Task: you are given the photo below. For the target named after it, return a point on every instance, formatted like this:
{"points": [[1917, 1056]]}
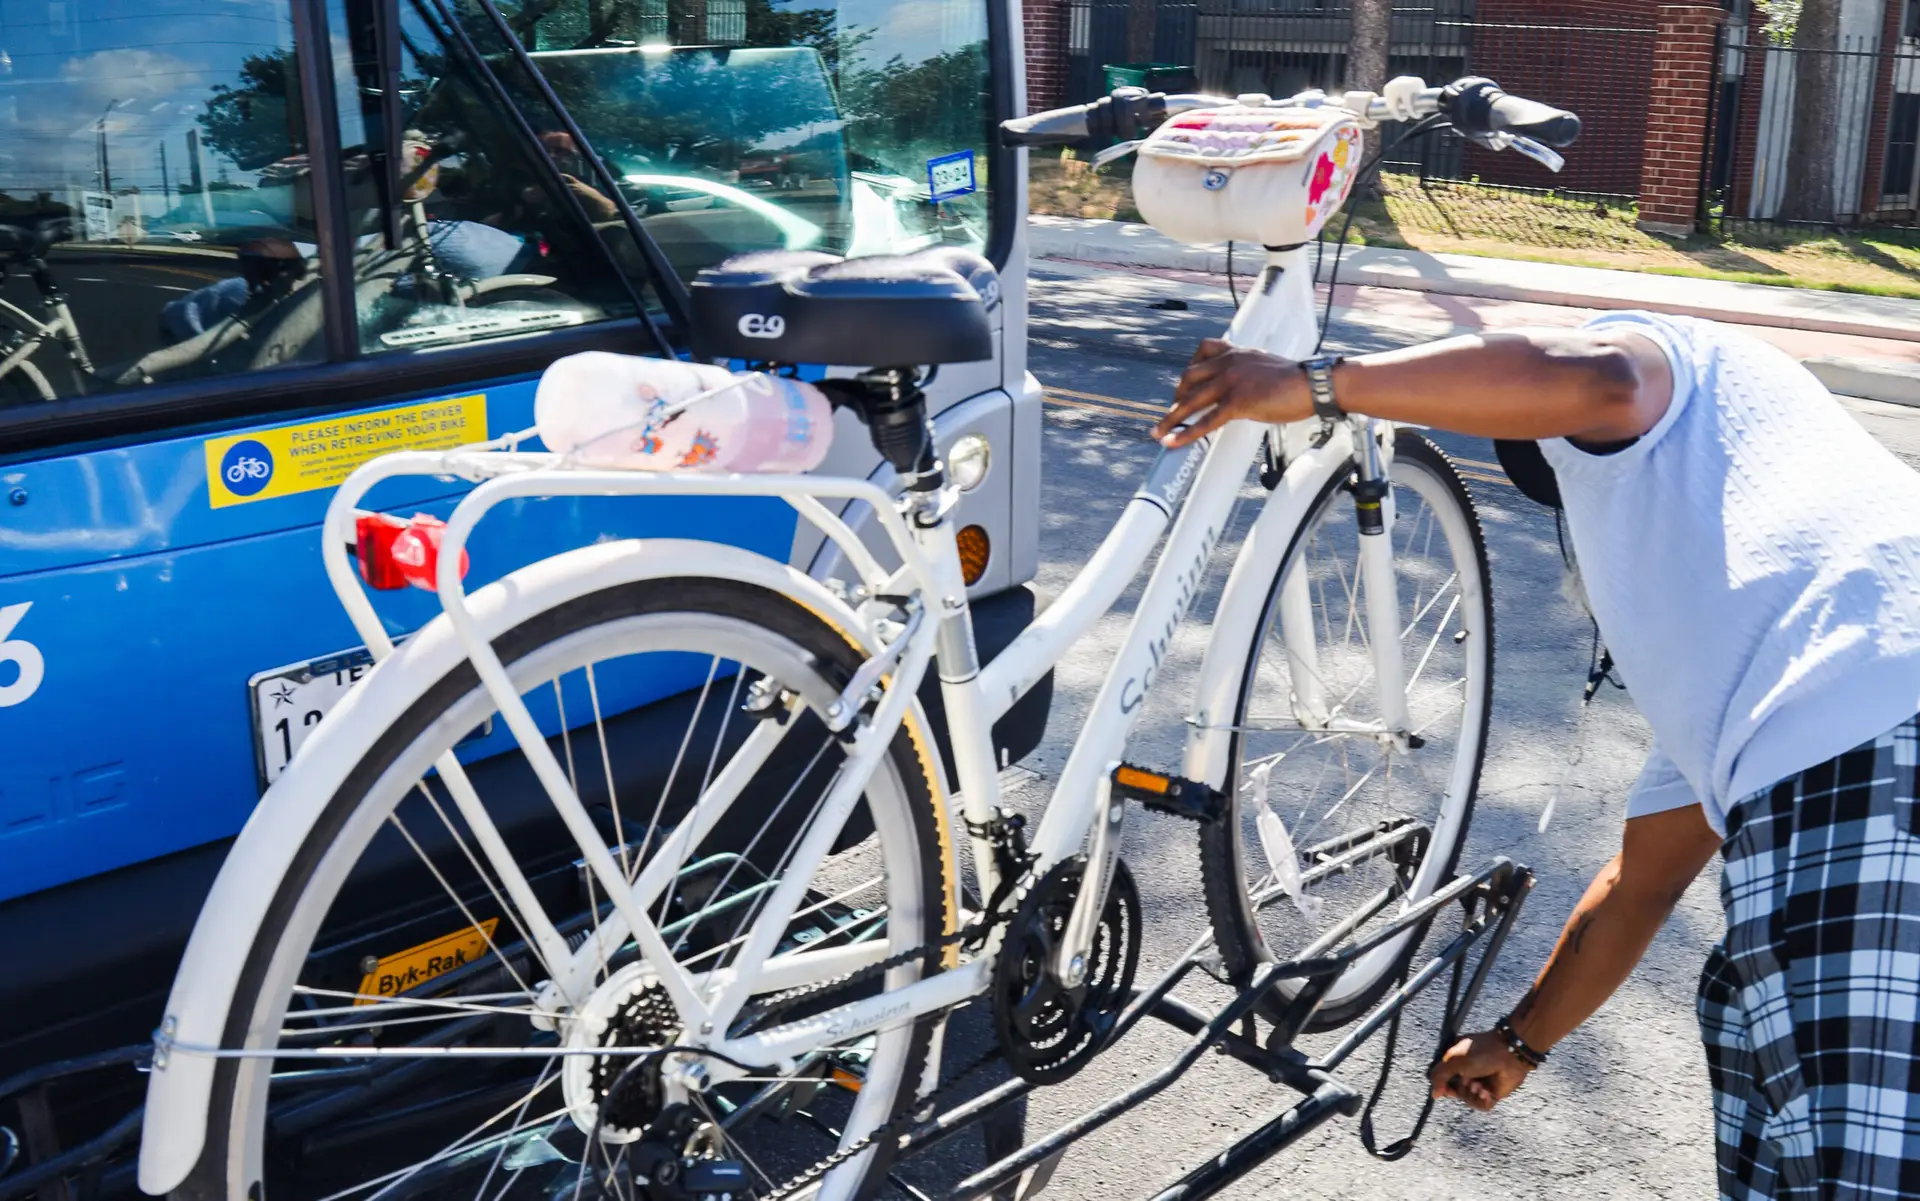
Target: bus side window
{"points": [[156, 219], [468, 237]]}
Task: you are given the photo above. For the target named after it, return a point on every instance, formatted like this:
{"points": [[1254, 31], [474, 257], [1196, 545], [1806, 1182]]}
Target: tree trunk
{"points": [[1816, 119], [1367, 44]]}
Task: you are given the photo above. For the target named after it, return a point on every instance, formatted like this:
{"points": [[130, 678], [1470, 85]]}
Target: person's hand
{"points": [[598, 207], [1479, 1071], [1228, 383]]}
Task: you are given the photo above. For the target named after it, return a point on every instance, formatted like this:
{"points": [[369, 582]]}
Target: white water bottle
{"points": [[622, 411]]}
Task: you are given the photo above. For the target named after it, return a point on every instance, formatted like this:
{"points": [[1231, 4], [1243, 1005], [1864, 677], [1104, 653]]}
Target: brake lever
{"points": [[1539, 152], [1117, 151]]}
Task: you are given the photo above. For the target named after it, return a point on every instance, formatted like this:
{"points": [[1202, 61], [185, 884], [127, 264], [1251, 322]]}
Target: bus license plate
{"points": [[288, 703]]}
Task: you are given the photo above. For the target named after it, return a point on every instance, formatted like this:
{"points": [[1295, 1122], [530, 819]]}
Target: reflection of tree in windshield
{"points": [[252, 121], [809, 27], [902, 113], [697, 109]]}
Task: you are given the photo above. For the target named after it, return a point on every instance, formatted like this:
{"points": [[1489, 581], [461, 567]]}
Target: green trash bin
{"points": [[1155, 77]]}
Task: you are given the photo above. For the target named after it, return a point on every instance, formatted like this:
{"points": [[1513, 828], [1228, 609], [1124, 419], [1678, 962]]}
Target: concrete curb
{"points": [[1886, 382], [1124, 244], [1117, 244]]}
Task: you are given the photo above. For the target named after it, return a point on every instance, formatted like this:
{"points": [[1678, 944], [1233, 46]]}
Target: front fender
{"points": [[180, 1087], [1237, 619]]}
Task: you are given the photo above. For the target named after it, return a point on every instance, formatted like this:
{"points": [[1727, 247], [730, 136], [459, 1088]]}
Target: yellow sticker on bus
{"points": [[289, 459], [411, 968]]}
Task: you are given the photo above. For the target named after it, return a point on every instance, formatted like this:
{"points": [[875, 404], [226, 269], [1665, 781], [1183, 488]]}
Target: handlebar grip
{"points": [[1125, 113], [1056, 127], [1542, 122], [1478, 107]]}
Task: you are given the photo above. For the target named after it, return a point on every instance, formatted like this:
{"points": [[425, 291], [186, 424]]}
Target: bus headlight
{"points": [[968, 461]]}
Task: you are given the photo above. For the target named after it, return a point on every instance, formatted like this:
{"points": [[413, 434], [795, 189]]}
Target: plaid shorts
{"points": [[1810, 1006]]}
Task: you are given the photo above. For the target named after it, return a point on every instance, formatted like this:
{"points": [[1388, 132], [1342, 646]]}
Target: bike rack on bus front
{"points": [[1490, 898]]}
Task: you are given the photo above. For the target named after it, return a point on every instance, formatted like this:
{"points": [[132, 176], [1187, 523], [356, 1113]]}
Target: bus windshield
{"points": [[166, 214], [857, 128]]}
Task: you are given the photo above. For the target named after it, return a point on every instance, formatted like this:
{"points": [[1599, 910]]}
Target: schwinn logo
{"points": [[761, 325], [1133, 693]]}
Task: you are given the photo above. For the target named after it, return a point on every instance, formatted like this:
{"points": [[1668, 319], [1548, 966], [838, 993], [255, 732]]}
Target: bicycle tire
{"points": [[1242, 944], [230, 1167]]}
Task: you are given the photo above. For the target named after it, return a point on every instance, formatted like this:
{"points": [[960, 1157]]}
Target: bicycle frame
{"points": [[34, 334], [1193, 490]]}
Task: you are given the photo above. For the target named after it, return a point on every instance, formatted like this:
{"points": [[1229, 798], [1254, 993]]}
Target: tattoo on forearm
{"points": [[1525, 1007], [1579, 933]]}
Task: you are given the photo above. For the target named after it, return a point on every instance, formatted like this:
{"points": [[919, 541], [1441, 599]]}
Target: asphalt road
{"points": [[116, 297], [1622, 1110]]}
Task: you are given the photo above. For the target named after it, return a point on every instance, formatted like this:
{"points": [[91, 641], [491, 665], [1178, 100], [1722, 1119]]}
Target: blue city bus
{"points": [[248, 244]]}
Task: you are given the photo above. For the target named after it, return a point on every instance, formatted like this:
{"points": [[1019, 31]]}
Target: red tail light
{"points": [[395, 553]]}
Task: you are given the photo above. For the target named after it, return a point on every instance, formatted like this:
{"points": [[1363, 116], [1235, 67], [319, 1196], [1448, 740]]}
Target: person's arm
{"points": [[1602, 385], [1609, 931]]}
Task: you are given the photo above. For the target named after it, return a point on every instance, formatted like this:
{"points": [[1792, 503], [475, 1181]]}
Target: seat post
{"points": [[896, 413]]}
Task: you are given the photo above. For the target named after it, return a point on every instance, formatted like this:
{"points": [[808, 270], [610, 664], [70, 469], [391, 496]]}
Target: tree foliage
{"points": [[256, 120]]}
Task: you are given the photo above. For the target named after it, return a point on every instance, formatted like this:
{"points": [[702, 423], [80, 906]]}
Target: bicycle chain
{"points": [[781, 1000], [910, 1116], [1016, 868]]}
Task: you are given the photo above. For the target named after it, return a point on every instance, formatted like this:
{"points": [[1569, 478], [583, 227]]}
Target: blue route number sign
{"points": [[951, 175]]}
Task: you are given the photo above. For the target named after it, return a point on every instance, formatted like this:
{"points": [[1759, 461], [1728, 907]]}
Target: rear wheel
{"points": [[1309, 748], [391, 932]]}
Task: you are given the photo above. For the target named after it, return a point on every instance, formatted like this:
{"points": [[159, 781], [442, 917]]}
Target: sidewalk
{"points": [[1887, 369]]}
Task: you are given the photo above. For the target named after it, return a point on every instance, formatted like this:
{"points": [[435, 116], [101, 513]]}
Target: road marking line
{"points": [[1109, 410], [1142, 405]]}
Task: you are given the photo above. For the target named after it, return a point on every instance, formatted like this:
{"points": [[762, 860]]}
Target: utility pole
{"points": [[196, 174], [106, 169], [166, 184]]}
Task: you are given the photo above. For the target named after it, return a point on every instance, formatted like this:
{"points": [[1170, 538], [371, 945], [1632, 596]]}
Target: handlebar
{"points": [[1475, 106]]}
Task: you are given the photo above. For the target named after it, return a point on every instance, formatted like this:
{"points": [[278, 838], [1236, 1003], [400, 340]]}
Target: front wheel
{"points": [[1312, 768]]}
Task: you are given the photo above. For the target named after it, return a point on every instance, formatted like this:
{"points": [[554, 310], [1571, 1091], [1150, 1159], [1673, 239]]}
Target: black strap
{"points": [[1399, 1148]]}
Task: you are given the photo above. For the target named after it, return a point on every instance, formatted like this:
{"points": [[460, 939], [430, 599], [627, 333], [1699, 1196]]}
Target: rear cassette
{"points": [[1047, 1030]]}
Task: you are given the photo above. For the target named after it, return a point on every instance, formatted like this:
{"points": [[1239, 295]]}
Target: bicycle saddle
{"points": [[31, 238], [908, 310]]}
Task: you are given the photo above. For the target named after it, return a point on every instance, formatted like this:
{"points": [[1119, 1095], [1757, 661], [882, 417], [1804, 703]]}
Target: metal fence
{"points": [[1283, 46], [1857, 163]]}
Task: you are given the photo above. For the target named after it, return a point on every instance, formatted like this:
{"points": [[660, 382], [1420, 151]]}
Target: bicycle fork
{"points": [[1373, 511]]}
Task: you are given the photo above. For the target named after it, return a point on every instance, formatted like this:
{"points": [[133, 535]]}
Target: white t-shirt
{"points": [[1754, 564]]}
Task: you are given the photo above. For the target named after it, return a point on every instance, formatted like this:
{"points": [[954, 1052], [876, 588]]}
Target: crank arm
{"points": [[1103, 848]]}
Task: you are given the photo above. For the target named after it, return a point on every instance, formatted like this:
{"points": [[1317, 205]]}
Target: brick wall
{"points": [[1882, 110], [1046, 44], [1593, 58], [1746, 122], [1677, 108]]}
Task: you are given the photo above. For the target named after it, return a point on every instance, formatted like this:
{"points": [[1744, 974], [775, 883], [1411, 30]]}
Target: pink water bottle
{"points": [[622, 411]]}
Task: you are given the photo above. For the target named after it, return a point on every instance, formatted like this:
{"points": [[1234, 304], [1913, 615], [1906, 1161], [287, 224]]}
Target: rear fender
{"points": [[180, 1088]]}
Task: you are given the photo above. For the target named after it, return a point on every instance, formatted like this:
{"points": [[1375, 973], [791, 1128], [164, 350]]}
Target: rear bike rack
{"points": [[1490, 899]]}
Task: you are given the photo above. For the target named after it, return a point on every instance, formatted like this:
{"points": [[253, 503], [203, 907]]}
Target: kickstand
{"points": [[1399, 1148]]}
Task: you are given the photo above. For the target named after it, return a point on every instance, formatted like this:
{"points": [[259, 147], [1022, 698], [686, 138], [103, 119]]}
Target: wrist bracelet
{"points": [[1517, 1045], [1319, 373]]}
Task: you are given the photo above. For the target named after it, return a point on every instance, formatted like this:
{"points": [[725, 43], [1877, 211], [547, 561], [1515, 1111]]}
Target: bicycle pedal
{"points": [[1168, 794]]}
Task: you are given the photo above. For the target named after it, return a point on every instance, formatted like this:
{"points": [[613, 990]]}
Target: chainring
{"points": [[1048, 1031]]}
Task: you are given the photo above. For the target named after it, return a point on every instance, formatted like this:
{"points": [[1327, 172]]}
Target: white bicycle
{"points": [[23, 247], [749, 907]]}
